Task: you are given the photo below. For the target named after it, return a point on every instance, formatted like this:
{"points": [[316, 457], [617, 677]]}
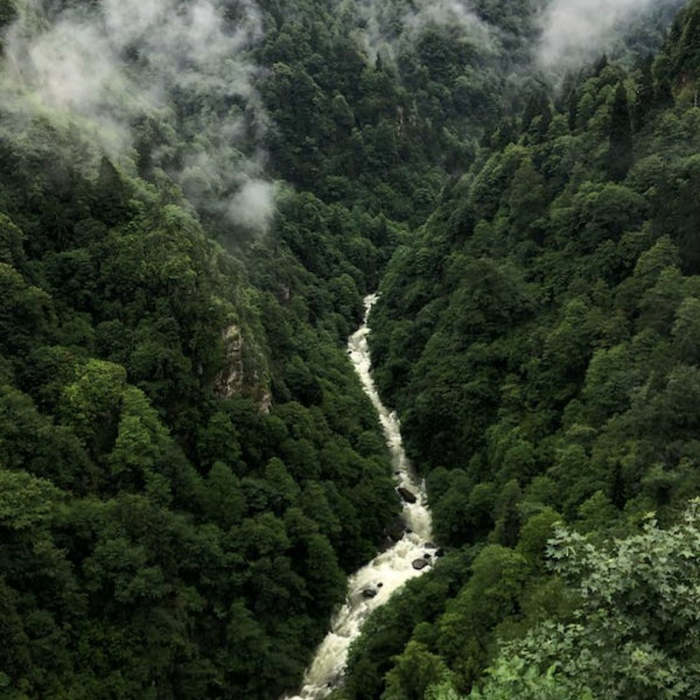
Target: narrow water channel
{"points": [[373, 585]]}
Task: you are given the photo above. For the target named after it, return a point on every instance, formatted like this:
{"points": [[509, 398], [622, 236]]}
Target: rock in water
{"points": [[369, 593], [395, 529], [419, 564], [407, 495]]}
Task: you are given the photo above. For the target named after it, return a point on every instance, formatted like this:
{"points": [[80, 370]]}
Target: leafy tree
{"points": [[414, 671], [632, 635]]}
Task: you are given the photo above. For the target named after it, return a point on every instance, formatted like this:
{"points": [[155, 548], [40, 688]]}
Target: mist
{"points": [[386, 24], [449, 13], [576, 32], [127, 66], [253, 206]]}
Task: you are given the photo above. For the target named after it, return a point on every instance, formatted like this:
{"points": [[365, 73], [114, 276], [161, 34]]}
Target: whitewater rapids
{"points": [[389, 570]]}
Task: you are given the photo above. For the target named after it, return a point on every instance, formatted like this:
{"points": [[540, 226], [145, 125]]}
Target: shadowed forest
{"points": [[196, 196]]}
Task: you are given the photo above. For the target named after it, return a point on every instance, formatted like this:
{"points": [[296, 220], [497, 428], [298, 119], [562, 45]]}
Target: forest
{"points": [[195, 197]]}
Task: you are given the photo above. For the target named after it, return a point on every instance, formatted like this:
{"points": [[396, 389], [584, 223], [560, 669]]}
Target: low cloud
{"points": [[575, 32], [184, 67], [253, 206], [386, 24], [449, 13]]}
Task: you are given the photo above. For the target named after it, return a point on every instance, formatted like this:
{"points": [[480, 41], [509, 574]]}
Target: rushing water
{"points": [[388, 571]]}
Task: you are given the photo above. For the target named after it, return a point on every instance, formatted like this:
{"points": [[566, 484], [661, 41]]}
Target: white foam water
{"points": [[388, 571]]}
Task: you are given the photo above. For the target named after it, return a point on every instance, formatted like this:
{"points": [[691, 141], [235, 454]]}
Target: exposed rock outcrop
{"points": [[407, 495], [231, 380], [244, 371], [395, 529]]}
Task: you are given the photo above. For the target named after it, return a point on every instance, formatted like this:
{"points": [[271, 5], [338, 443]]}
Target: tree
{"points": [[535, 534], [527, 196], [326, 581], [620, 139], [222, 497], [26, 313], [492, 595], [91, 405], [645, 93], [11, 241], [414, 671], [8, 12], [110, 198], [686, 331], [507, 515], [635, 632]]}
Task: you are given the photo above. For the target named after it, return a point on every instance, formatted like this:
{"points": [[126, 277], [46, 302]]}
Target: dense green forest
{"points": [[537, 335], [189, 467]]}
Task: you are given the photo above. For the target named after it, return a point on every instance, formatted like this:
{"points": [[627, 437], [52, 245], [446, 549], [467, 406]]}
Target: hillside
{"points": [[537, 338], [195, 197]]}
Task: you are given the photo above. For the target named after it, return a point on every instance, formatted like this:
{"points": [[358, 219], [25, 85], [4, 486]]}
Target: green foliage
{"points": [[188, 467], [414, 671], [180, 431], [537, 337], [632, 636], [8, 12], [620, 148]]}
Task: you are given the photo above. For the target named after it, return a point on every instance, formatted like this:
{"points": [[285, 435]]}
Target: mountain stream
{"points": [[373, 585]]}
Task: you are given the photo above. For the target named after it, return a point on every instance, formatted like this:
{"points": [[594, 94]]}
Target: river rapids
{"points": [[388, 571]]}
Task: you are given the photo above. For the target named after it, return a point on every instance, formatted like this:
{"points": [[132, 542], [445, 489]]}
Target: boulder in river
{"points": [[395, 529], [379, 585], [427, 556], [369, 593], [419, 564], [407, 495]]}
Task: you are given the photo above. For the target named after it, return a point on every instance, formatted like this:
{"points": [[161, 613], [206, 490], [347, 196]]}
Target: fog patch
{"points": [[183, 69], [385, 26], [576, 32], [253, 206]]}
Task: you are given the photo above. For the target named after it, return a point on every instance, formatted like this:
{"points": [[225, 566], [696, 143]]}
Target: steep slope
{"points": [[159, 509], [537, 338], [189, 467], [188, 464]]}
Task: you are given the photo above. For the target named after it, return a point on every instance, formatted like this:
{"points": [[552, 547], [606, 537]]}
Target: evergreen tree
{"points": [[619, 159], [572, 109], [644, 100]]}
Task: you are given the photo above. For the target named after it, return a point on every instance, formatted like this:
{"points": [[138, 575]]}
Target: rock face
{"points": [[419, 564], [407, 495], [266, 403], [230, 382], [395, 529], [244, 371]]}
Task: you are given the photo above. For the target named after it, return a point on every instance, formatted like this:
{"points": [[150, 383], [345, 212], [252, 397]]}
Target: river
{"points": [[389, 570]]}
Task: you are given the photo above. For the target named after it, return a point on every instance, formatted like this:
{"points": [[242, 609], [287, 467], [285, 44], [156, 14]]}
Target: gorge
{"points": [[411, 555], [203, 491]]}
